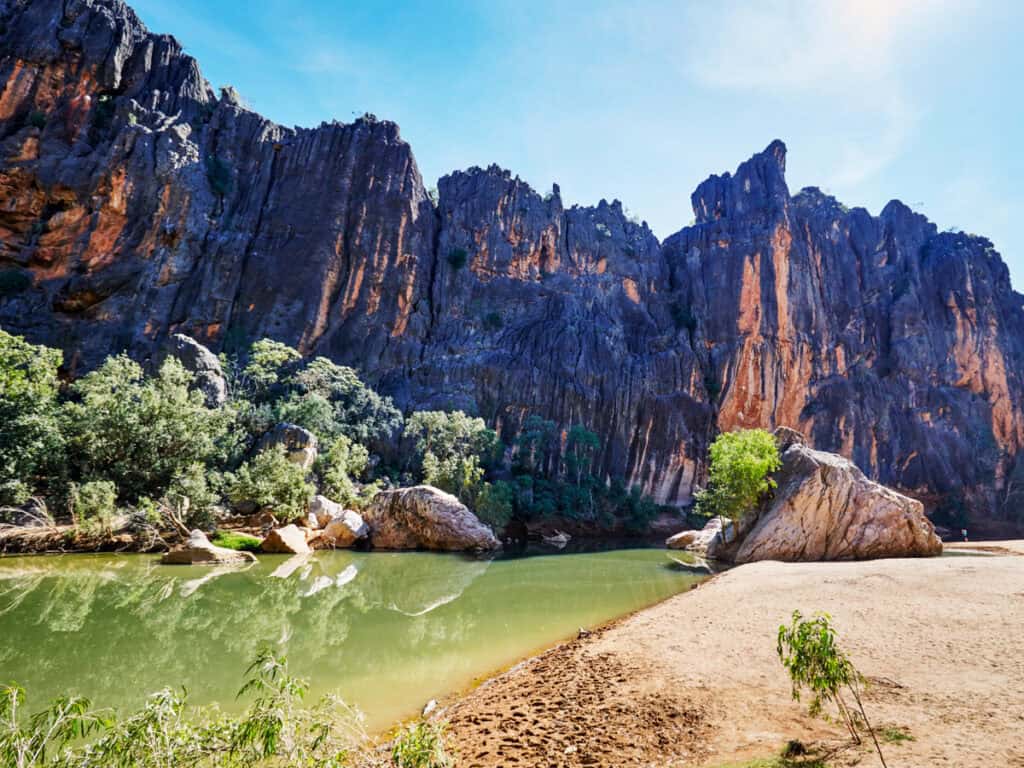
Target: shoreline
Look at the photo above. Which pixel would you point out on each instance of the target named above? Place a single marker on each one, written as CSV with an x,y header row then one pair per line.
x,y
693,680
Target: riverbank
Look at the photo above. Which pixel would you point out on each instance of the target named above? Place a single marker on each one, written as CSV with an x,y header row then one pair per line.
x,y
695,679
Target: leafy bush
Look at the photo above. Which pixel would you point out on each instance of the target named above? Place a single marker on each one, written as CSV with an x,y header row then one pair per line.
x,y
139,433
95,500
495,504
270,480
808,650
453,449
242,542
274,730
421,745
31,444
741,462
37,119
457,258
338,467
192,497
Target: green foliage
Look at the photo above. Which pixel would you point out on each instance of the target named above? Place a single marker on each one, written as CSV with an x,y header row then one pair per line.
x,y
274,730
356,410
13,282
218,173
31,445
241,542
139,433
741,462
894,734
808,650
421,745
192,495
453,449
37,119
458,258
495,504
339,467
270,480
94,500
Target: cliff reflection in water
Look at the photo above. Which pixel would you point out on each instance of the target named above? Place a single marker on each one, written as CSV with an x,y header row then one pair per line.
x,y
387,631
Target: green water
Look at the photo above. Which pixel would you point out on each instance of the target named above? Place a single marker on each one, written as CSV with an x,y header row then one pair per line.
x,y
386,631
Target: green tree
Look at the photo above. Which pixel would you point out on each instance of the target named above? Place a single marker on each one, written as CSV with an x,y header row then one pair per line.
x,y
270,480
741,463
495,504
808,650
268,366
343,404
339,467
31,445
453,450
136,432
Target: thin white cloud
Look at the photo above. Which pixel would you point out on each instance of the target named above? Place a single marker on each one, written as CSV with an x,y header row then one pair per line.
x,y
851,56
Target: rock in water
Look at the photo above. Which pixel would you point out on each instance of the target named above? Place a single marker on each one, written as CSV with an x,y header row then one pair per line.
x,y
424,517
289,540
301,445
345,530
826,509
204,367
199,551
698,541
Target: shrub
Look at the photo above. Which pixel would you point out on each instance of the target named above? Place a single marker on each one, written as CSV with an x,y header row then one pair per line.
x,y
140,433
457,258
13,282
740,464
242,542
37,119
453,449
94,504
338,467
274,730
421,745
808,650
270,480
191,498
495,504
31,445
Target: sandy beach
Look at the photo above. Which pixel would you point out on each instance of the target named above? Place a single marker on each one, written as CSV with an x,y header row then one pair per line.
x,y
695,680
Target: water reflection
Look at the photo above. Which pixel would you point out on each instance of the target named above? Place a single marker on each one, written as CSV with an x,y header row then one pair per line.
x,y
385,630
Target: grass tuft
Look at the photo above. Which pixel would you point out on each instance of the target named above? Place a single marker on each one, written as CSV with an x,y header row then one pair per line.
x,y
241,542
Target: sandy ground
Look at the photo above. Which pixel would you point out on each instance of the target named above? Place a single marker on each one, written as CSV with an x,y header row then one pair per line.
x,y
695,680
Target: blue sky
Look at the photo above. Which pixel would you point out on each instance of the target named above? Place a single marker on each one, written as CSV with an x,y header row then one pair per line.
x,y
921,100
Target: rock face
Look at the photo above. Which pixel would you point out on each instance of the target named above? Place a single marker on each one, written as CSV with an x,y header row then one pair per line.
x,y
138,204
289,540
824,508
301,446
203,365
424,517
199,551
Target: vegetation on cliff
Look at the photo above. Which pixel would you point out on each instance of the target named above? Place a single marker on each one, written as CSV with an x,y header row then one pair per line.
x,y
151,447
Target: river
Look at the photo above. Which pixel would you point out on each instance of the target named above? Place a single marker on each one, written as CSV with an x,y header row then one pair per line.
x,y
385,631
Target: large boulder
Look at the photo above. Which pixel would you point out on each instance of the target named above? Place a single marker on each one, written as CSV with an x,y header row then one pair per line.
x,y
204,366
698,540
198,550
424,517
289,540
300,445
824,508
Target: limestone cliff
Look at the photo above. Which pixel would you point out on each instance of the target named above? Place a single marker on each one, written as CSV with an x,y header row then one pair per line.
x,y
135,203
